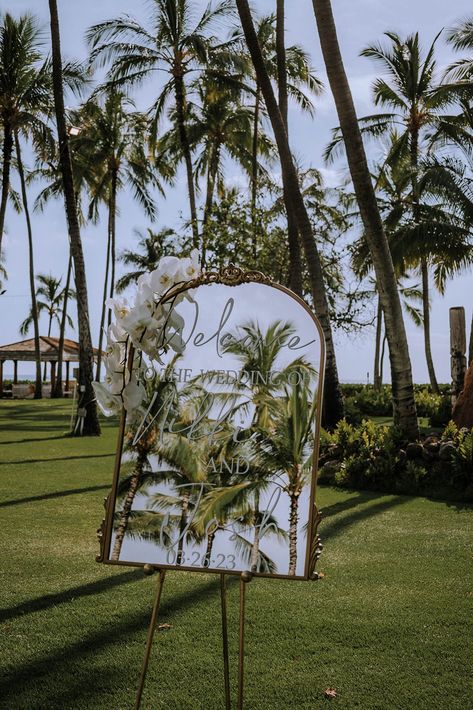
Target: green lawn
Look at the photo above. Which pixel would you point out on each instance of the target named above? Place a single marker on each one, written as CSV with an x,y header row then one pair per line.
x,y
389,626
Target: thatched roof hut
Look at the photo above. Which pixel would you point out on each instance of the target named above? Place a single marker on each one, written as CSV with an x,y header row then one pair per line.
x,y
24,351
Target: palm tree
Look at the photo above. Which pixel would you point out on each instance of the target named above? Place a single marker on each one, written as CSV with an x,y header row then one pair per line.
x,y
111,144
34,306
300,78
260,352
25,84
49,299
91,424
140,448
333,403
417,102
222,129
286,450
178,46
404,407
146,255
461,37
441,234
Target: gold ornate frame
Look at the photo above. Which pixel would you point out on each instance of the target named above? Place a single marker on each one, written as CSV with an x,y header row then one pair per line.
x,y
229,276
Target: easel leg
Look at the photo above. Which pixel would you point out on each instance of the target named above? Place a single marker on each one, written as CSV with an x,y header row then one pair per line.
x,y
226,671
244,579
149,641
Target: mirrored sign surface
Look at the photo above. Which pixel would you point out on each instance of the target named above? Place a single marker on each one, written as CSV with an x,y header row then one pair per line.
x,y
218,472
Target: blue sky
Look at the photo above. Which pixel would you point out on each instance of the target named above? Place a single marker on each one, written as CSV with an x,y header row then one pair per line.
x,y
359,23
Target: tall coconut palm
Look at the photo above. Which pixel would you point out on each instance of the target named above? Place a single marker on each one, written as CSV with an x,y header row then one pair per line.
x,y
48,170
404,407
300,81
333,402
219,129
25,83
418,102
34,306
292,231
441,234
25,86
87,402
179,45
111,143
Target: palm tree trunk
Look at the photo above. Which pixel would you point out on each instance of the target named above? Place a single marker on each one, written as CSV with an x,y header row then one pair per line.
x,y
254,169
426,318
58,392
470,346
128,504
293,522
38,393
333,404
414,153
295,261
182,526
256,540
185,147
113,249
381,364
211,179
86,354
50,323
405,416
6,167
377,351
210,543
104,298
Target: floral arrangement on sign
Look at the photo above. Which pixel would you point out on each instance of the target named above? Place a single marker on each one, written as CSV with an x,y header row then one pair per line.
x,y
150,325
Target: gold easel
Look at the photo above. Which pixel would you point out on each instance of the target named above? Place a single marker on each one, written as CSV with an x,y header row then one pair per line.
x,y
245,577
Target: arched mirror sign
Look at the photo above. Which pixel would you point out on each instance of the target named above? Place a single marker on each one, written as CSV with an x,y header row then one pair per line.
x,y
216,469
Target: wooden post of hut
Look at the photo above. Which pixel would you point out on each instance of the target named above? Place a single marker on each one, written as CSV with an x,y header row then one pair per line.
x,y
53,376
15,372
457,351
1,378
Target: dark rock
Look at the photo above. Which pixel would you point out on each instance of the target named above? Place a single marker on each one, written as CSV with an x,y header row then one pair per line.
x,y
446,450
414,450
432,447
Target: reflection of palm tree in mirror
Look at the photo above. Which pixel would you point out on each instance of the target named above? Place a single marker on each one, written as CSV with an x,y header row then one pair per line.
x,y
139,477
231,504
259,354
286,449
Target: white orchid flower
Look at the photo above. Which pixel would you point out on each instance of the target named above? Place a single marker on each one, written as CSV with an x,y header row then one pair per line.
x,y
133,395
109,404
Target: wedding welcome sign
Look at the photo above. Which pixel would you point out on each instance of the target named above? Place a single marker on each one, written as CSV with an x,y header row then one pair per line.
x,y
219,376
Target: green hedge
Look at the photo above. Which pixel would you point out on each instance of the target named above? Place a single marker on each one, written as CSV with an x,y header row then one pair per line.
x,y
364,401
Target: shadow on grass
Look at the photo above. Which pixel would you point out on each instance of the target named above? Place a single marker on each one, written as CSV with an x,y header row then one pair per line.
x,y
338,526
68,595
56,458
36,438
330,510
52,679
50,496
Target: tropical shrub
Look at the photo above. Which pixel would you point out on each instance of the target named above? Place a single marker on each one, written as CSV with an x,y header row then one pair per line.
x,y
368,456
